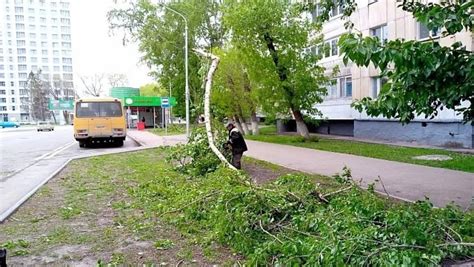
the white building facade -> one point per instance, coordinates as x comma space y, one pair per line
34, 35
383, 18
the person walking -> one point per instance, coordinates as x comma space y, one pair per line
237, 144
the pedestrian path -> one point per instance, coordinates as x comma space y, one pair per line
401, 180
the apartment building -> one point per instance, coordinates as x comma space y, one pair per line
384, 19
34, 35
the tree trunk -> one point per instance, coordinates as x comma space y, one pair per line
301, 127
237, 124
66, 116
207, 109
254, 122
244, 125
54, 117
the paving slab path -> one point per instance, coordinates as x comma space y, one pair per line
403, 180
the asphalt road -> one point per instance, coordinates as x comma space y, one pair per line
19, 148
29, 158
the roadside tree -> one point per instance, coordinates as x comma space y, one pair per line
276, 39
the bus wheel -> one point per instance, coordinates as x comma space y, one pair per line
82, 144
119, 142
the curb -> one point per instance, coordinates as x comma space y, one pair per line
136, 140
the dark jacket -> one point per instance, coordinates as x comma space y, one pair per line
236, 140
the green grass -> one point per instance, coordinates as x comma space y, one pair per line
174, 129
459, 161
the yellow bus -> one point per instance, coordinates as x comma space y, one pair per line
98, 120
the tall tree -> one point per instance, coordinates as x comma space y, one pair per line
94, 84
117, 79
38, 92
160, 34
153, 89
276, 38
233, 95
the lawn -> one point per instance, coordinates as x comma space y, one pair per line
135, 209
459, 161
173, 129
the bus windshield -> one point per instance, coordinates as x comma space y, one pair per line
98, 109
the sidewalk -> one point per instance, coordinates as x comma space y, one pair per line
401, 180
147, 139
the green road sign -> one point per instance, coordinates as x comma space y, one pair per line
147, 101
60, 104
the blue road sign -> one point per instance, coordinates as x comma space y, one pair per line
165, 102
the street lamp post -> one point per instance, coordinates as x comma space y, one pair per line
185, 65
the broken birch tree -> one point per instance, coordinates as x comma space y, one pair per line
207, 110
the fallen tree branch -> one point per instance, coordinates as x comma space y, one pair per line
190, 203
336, 192
207, 112
268, 233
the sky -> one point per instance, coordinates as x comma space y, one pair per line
96, 51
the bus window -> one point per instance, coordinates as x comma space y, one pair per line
98, 109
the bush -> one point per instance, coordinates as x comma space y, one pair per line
195, 157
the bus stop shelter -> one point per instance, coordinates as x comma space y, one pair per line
148, 108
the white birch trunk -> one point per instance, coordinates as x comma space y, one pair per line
207, 113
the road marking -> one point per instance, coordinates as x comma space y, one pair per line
61, 150
52, 152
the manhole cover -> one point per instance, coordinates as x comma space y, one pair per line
433, 157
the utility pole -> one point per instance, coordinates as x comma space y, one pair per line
185, 64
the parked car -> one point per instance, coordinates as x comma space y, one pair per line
6, 124
45, 126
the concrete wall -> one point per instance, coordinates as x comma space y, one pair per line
447, 134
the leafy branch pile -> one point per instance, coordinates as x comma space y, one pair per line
195, 157
295, 221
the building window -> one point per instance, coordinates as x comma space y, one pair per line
2, 83
67, 76
377, 84
64, 13
20, 42
33, 35
21, 59
56, 60
31, 19
13, 100
34, 59
23, 91
3, 100
424, 32
67, 68
20, 26
332, 89
44, 36
22, 75
329, 48
12, 91
56, 53
64, 5
3, 92
31, 10
44, 60
55, 36
22, 84
20, 34
44, 52
33, 52
19, 17
12, 83
32, 43
67, 60
345, 86
66, 44
21, 51
44, 44
45, 68
56, 68
13, 108
21, 67
337, 10
66, 37
380, 32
